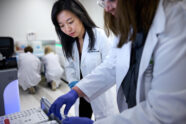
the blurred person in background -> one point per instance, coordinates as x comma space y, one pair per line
29, 67
52, 68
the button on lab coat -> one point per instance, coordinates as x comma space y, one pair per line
53, 69
105, 104
161, 87
28, 70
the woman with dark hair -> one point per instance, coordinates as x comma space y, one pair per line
85, 47
147, 63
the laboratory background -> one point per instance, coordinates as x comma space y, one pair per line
58, 67
28, 23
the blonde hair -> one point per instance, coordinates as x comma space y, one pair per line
48, 49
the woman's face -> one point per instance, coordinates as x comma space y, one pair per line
70, 24
110, 6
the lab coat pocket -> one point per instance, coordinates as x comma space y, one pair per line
94, 58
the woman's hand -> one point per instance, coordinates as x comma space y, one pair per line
68, 99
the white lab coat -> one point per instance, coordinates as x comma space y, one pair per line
161, 86
53, 69
28, 70
105, 104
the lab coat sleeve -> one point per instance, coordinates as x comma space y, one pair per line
100, 79
165, 102
70, 70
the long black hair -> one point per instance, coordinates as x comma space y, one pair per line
76, 8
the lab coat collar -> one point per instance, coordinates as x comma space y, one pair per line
159, 19
157, 27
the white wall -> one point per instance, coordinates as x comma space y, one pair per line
19, 17
95, 11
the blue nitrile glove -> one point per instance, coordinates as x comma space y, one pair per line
72, 84
77, 120
69, 99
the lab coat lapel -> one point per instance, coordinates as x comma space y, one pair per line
123, 62
85, 48
76, 60
151, 41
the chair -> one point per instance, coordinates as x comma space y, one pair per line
11, 98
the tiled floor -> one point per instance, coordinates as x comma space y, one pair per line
33, 100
